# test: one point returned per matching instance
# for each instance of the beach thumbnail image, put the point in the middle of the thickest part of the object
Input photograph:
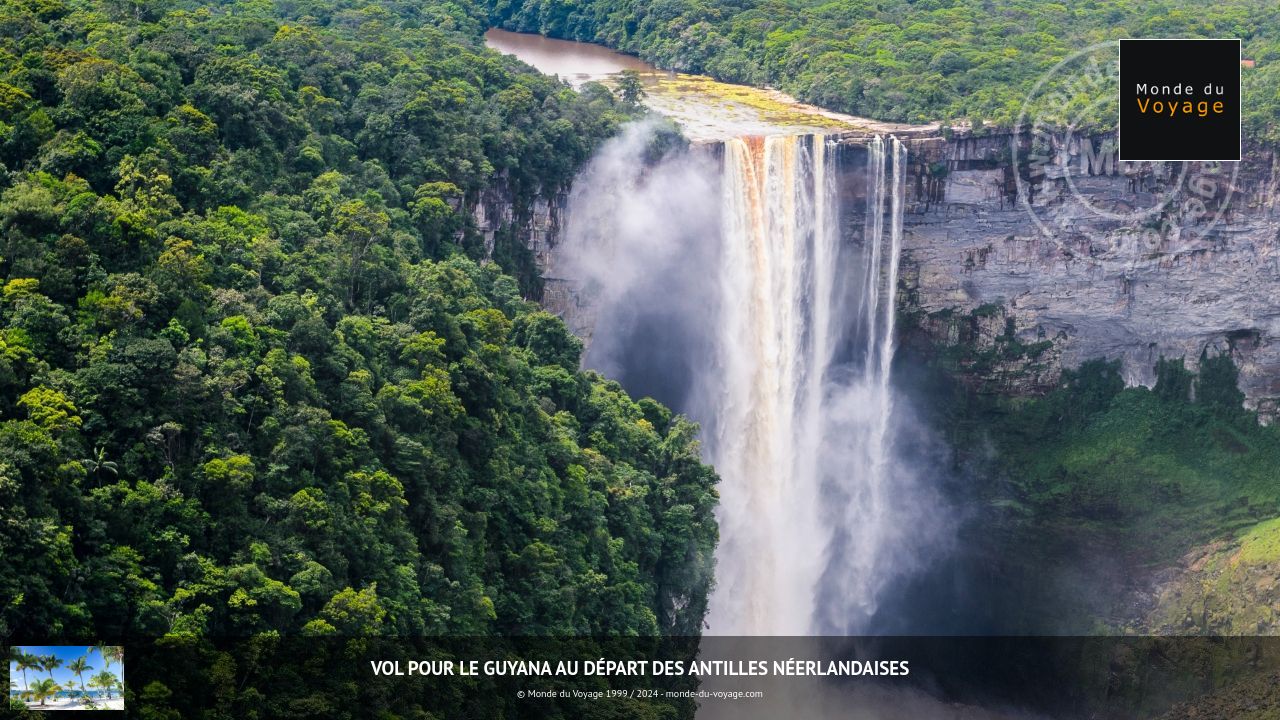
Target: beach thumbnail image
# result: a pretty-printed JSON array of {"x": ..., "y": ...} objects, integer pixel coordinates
[{"x": 66, "y": 677}]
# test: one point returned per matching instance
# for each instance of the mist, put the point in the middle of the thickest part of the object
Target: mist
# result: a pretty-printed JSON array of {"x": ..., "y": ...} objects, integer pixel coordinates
[
  {"x": 640, "y": 245},
  {"x": 751, "y": 285}
]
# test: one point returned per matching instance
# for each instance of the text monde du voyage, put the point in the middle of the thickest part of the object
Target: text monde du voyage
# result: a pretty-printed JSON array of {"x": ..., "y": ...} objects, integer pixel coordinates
[{"x": 603, "y": 667}]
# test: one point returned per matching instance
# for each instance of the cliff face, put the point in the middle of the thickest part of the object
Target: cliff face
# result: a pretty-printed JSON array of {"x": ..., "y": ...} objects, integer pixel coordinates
[
  {"x": 1021, "y": 293},
  {"x": 1083, "y": 270},
  {"x": 536, "y": 227}
]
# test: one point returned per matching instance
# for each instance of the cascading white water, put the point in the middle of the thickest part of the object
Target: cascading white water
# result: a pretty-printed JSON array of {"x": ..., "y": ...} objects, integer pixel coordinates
[
  {"x": 726, "y": 286},
  {"x": 868, "y": 528},
  {"x": 770, "y": 400},
  {"x": 802, "y": 428}
]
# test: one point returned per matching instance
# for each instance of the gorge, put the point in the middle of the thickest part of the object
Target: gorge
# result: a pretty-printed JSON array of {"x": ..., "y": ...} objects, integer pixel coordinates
[
  {"x": 970, "y": 241},
  {"x": 722, "y": 287},
  {"x": 979, "y": 275},
  {"x": 776, "y": 334}
]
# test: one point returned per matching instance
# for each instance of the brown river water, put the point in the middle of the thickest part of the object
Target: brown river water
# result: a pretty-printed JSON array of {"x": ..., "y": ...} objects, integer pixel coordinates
[
  {"x": 705, "y": 109},
  {"x": 573, "y": 62}
]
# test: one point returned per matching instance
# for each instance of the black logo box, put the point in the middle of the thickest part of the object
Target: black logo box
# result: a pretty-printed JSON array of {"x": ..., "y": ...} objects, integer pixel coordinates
[{"x": 1187, "y": 65}]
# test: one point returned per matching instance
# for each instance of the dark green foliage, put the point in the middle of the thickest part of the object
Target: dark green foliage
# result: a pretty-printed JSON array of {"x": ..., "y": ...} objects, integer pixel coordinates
[
  {"x": 1094, "y": 449},
  {"x": 1101, "y": 483},
  {"x": 1217, "y": 388},
  {"x": 913, "y": 60},
  {"x": 630, "y": 89},
  {"x": 1089, "y": 390},
  {"x": 250, "y": 380},
  {"x": 1173, "y": 380}
]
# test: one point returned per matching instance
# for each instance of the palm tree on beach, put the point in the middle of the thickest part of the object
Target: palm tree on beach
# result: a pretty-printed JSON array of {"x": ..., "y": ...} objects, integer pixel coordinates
[
  {"x": 27, "y": 661},
  {"x": 80, "y": 667},
  {"x": 14, "y": 656},
  {"x": 109, "y": 653},
  {"x": 42, "y": 690},
  {"x": 112, "y": 653},
  {"x": 101, "y": 649},
  {"x": 104, "y": 680},
  {"x": 49, "y": 663}
]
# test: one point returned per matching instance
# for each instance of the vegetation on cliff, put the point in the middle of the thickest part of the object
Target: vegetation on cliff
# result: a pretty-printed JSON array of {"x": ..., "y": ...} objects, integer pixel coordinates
[
  {"x": 1229, "y": 587},
  {"x": 1174, "y": 464},
  {"x": 255, "y": 373},
  {"x": 1088, "y": 489},
  {"x": 910, "y": 60}
]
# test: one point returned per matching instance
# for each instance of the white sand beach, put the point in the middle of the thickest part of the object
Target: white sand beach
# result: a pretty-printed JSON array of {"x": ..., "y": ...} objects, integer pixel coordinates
[{"x": 76, "y": 704}]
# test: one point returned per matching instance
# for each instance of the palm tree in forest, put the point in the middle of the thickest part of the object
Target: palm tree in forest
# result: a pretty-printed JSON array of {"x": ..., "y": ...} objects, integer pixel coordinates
[
  {"x": 42, "y": 690},
  {"x": 79, "y": 666},
  {"x": 99, "y": 462},
  {"x": 104, "y": 680}
]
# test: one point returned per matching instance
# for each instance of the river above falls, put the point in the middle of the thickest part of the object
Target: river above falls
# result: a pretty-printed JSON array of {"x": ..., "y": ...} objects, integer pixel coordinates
[{"x": 706, "y": 109}]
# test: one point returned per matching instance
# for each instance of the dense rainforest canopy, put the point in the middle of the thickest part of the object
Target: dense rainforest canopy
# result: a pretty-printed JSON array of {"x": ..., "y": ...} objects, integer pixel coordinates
[
  {"x": 909, "y": 60},
  {"x": 257, "y": 373}
]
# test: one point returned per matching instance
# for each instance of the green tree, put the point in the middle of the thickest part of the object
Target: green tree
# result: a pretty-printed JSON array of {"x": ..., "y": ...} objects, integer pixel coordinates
[
  {"x": 99, "y": 463},
  {"x": 50, "y": 409},
  {"x": 630, "y": 88},
  {"x": 104, "y": 680},
  {"x": 1217, "y": 386},
  {"x": 49, "y": 663},
  {"x": 27, "y": 661},
  {"x": 79, "y": 666},
  {"x": 112, "y": 653},
  {"x": 358, "y": 227},
  {"x": 1173, "y": 380},
  {"x": 353, "y": 612},
  {"x": 42, "y": 690}
]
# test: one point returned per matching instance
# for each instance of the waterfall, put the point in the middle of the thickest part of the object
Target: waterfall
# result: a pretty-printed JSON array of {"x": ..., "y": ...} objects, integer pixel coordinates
[
  {"x": 797, "y": 354},
  {"x": 733, "y": 286},
  {"x": 870, "y": 525}
]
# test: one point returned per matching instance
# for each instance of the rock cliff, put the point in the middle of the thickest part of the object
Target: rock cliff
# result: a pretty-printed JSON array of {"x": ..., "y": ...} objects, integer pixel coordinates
[
  {"x": 1036, "y": 260},
  {"x": 536, "y": 226},
  {"x": 1081, "y": 265}
]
